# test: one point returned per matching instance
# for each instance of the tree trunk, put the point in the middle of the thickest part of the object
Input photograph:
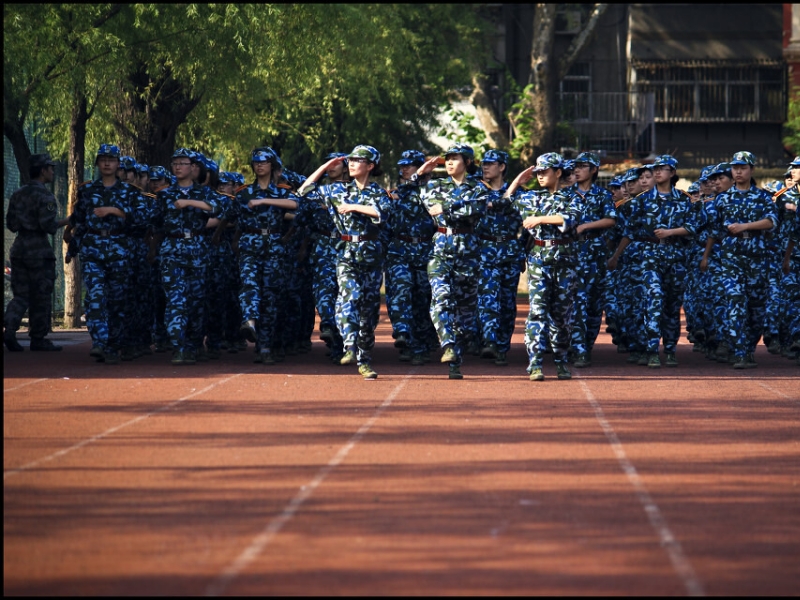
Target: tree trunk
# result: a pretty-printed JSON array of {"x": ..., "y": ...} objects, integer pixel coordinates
[
  {"x": 543, "y": 79},
  {"x": 76, "y": 163},
  {"x": 486, "y": 113},
  {"x": 15, "y": 132}
]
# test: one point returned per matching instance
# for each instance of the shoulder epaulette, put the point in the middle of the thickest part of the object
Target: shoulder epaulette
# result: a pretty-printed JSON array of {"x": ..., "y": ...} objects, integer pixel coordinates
[
  {"x": 684, "y": 194},
  {"x": 619, "y": 203},
  {"x": 285, "y": 186},
  {"x": 240, "y": 188},
  {"x": 228, "y": 195},
  {"x": 87, "y": 182},
  {"x": 148, "y": 194}
]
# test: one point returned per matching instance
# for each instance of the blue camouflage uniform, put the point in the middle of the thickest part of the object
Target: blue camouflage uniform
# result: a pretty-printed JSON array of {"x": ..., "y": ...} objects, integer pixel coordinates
[
  {"x": 360, "y": 255},
  {"x": 502, "y": 261},
  {"x": 743, "y": 263},
  {"x": 183, "y": 256},
  {"x": 552, "y": 258},
  {"x": 409, "y": 243},
  {"x": 105, "y": 251},
  {"x": 779, "y": 310},
  {"x": 313, "y": 214},
  {"x": 454, "y": 264},
  {"x": 661, "y": 263},
  {"x": 261, "y": 258},
  {"x": 593, "y": 256}
]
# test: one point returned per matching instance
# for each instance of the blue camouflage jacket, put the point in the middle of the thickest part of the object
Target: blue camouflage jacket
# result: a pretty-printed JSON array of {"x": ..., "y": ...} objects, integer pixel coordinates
[
  {"x": 736, "y": 206},
  {"x": 184, "y": 228},
  {"x": 359, "y": 232},
  {"x": 560, "y": 241}
]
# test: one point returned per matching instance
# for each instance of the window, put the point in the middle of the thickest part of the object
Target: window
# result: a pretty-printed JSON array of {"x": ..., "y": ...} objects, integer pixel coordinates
[{"x": 706, "y": 93}]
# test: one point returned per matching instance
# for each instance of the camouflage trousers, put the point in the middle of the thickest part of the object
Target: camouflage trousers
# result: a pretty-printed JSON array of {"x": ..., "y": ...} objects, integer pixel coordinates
[
  {"x": 589, "y": 294},
  {"x": 357, "y": 307},
  {"x": 776, "y": 309},
  {"x": 745, "y": 284},
  {"x": 791, "y": 289},
  {"x": 325, "y": 289},
  {"x": 408, "y": 300},
  {"x": 662, "y": 285},
  {"x": 262, "y": 285},
  {"x": 32, "y": 282},
  {"x": 140, "y": 297},
  {"x": 216, "y": 298},
  {"x": 105, "y": 271},
  {"x": 497, "y": 303},
  {"x": 183, "y": 279},
  {"x": 551, "y": 292},
  {"x": 454, "y": 299}
]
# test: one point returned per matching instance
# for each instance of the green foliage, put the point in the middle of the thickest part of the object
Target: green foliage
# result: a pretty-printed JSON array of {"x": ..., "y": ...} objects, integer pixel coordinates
[
  {"x": 791, "y": 128},
  {"x": 459, "y": 127},
  {"x": 523, "y": 117},
  {"x": 223, "y": 78}
]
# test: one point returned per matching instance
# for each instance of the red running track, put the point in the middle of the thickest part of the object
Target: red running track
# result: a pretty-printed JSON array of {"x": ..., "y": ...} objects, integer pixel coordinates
[{"x": 301, "y": 478}]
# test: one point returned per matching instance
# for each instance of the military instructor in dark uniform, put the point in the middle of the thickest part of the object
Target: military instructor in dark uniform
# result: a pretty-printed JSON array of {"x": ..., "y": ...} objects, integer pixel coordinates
[{"x": 32, "y": 215}]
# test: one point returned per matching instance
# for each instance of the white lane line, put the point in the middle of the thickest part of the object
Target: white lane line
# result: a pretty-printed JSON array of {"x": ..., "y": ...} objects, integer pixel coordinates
[
  {"x": 777, "y": 392},
  {"x": 668, "y": 541},
  {"x": 22, "y": 385},
  {"x": 263, "y": 539},
  {"x": 107, "y": 432}
]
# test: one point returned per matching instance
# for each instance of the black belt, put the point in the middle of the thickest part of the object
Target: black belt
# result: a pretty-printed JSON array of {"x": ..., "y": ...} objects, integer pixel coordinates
[
  {"x": 184, "y": 235},
  {"x": 498, "y": 238},
  {"x": 330, "y": 234},
  {"x": 551, "y": 243},
  {"x": 745, "y": 235},
  {"x": 359, "y": 238},
  {"x": 104, "y": 232},
  {"x": 412, "y": 239},
  {"x": 455, "y": 230},
  {"x": 265, "y": 231}
]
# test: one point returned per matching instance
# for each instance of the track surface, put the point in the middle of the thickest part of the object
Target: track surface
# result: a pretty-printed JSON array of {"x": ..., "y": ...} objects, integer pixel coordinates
[{"x": 301, "y": 478}]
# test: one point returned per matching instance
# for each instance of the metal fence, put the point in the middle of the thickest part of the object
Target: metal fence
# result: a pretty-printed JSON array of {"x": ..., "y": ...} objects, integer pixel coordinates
[{"x": 618, "y": 123}]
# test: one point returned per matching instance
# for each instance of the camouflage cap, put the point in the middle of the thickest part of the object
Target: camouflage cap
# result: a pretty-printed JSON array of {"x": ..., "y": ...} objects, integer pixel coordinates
[
  {"x": 368, "y": 152},
  {"x": 128, "y": 163},
  {"x": 743, "y": 158},
  {"x": 41, "y": 160},
  {"x": 550, "y": 160},
  {"x": 721, "y": 169},
  {"x": 569, "y": 166},
  {"x": 631, "y": 175},
  {"x": 184, "y": 153},
  {"x": 158, "y": 173},
  {"x": 411, "y": 157},
  {"x": 774, "y": 186},
  {"x": 260, "y": 155},
  {"x": 497, "y": 156},
  {"x": 589, "y": 158},
  {"x": 694, "y": 188},
  {"x": 108, "y": 150},
  {"x": 706, "y": 173},
  {"x": 226, "y": 177},
  {"x": 665, "y": 160},
  {"x": 333, "y": 155},
  {"x": 795, "y": 162},
  {"x": 142, "y": 169},
  {"x": 616, "y": 181},
  {"x": 461, "y": 148}
]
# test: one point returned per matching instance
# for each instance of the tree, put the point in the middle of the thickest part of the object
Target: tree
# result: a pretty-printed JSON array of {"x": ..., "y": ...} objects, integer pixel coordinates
[
  {"x": 791, "y": 129},
  {"x": 534, "y": 117}
]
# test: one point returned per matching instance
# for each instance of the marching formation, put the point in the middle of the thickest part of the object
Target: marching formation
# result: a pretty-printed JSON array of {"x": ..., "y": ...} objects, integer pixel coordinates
[{"x": 196, "y": 262}]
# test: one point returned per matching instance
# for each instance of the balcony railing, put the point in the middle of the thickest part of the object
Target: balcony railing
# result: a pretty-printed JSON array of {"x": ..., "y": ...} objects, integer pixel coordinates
[{"x": 619, "y": 123}]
